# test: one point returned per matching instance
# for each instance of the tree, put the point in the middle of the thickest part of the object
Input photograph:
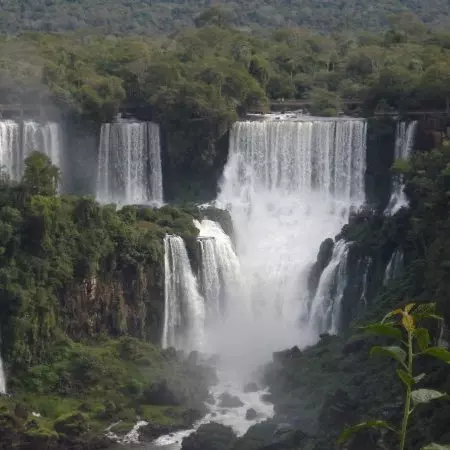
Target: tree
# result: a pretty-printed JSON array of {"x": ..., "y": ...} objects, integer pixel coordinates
[{"x": 40, "y": 177}]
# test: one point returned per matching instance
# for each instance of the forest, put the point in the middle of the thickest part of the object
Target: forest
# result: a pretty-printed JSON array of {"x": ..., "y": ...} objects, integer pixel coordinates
[
  {"x": 146, "y": 17},
  {"x": 196, "y": 82}
]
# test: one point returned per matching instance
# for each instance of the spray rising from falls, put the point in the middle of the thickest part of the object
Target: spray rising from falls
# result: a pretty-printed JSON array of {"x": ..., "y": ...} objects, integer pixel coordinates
[
  {"x": 17, "y": 141},
  {"x": 129, "y": 166},
  {"x": 404, "y": 143},
  {"x": 288, "y": 185},
  {"x": 184, "y": 308}
]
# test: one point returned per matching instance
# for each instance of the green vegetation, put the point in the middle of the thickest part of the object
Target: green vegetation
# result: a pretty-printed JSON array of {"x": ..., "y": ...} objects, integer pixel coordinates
[
  {"x": 325, "y": 388},
  {"x": 85, "y": 387},
  {"x": 165, "y": 16},
  {"x": 196, "y": 82},
  {"x": 416, "y": 344},
  {"x": 81, "y": 300}
]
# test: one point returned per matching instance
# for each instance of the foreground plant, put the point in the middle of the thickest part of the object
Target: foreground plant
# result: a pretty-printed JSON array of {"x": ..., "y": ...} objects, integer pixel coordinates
[{"x": 403, "y": 326}]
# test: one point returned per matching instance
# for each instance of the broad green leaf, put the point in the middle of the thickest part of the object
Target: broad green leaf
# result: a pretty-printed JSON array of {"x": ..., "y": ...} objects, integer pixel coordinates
[
  {"x": 394, "y": 352},
  {"x": 426, "y": 311},
  {"x": 425, "y": 396},
  {"x": 439, "y": 353},
  {"x": 384, "y": 329},
  {"x": 350, "y": 431},
  {"x": 425, "y": 308},
  {"x": 418, "y": 378},
  {"x": 409, "y": 307},
  {"x": 423, "y": 338},
  {"x": 436, "y": 447},
  {"x": 407, "y": 379}
]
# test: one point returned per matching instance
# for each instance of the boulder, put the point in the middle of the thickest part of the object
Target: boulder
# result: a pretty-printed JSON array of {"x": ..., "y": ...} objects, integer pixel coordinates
[
  {"x": 211, "y": 436},
  {"x": 251, "y": 414},
  {"x": 74, "y": 424},
  {"x": 152, "y": 431},
  {"x": 159, "y": 394},
  {"x": 286, "y": 355},
  {"x": 251, "y": 387},
  {"x": 230, "y": 401}
]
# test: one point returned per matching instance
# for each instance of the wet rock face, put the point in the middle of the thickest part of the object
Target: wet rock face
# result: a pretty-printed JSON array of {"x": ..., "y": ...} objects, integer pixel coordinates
[
  {"x": 211, "y": 436},
  {"x": 286, "y": 355},
  {"x": 251, "y": 414},
  {"x": 251, "y": 387},
  {"x": 230, "y": 401}
]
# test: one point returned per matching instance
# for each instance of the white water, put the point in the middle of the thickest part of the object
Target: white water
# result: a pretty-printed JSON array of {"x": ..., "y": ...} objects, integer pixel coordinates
[
  {"x": 326, "y": 305},
  {"x": 18, "y": 141},
  {"x": 404, "y": 143},
  {"x": 184, "y": 307},
  {"x": 129, "y": 166},
  {"x": 2, "y": 378},
  {"x": 288, "y": 185},
  {"x": 394, "y": 267},
  {"x": 219, "y": 272}
]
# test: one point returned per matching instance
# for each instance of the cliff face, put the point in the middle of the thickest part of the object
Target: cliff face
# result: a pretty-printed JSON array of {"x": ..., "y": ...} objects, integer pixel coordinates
[{"x": 116, "y": 302}]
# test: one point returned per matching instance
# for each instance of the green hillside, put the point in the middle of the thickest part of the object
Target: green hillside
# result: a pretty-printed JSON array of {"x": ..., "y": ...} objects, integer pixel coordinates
[{"x": 151, "y": 17}]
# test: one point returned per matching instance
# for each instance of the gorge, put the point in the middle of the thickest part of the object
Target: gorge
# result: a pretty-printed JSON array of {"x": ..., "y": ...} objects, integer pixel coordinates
[{"x": 291, "y": 184}]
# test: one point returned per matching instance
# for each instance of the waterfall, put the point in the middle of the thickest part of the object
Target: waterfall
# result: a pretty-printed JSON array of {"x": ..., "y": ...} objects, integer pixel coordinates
[
  {"x": 129, "y": 165},
  {"x": 17, "y": 141},
  {"x": 219, "y": 271},
  {"x": 184, "y": 308},
  {"x": 2, "y": 378},
  {"x": 325, "y": 307},
  {"x": 10, "y": 151},
  {"x": 394, "y": 267},
  {"x": 367, "y": 262},
  {"x": 288, "y": 184},
  {"x": 404, "y": 143}
]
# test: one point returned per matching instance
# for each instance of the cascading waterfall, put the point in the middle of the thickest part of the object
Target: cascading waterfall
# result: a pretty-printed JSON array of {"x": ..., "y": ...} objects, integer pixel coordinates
[
  {"x": 288, "y": 184},
  {"x": 366, "y": 263},
  {"x": 404, "y": 143},
  {"x": 2, "y": 378},
  {"x": 10, "y": 151},
  {"x": 219, "y": 271},
  {"x": 129, "y": 166},
  {"x": 17, "y": 141},
  {"x": 325, "y": 307},
  {"x": 394, "y": 267},
  {"x": 184, "y": 307}
]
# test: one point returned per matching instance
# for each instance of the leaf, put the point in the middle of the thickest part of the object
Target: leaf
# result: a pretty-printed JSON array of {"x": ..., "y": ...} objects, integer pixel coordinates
[
  {"x": 384, "y": 329},
  {"x": 350, "y": 431},
  {"x": 407, "y": 379},
  {"x": 418, "y": 378},
  {"x": 423, "y": 338},
  {"x": 425, "y": 308},
  {"x": 439, "y": 353},
  {"x": 425, "y": 396},
  {"x": 409, "y": 307},
  {"x": 396, "y": 312},
  {"x": 408, "y": 322},
  {"x": 394, "y": 352},
  {"x": 436, "y": 447},
  {"x": 426, "y": 311}
]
